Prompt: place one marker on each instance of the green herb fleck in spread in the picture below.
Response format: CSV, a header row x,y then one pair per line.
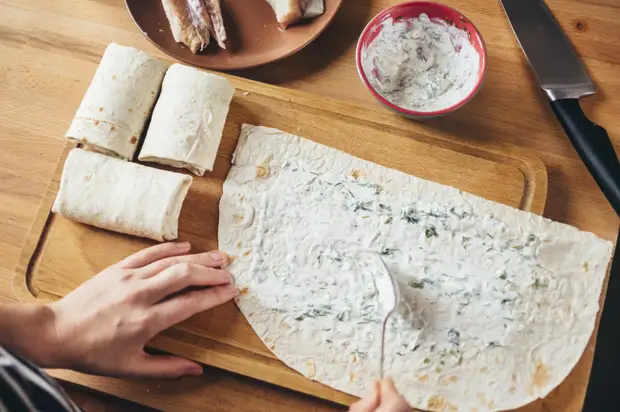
x,y
386,251
416,285
431,232
410,216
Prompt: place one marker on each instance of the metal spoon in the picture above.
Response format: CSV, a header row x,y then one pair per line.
x,y
391,295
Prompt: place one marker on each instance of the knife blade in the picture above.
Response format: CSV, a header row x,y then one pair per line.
x,y
563,77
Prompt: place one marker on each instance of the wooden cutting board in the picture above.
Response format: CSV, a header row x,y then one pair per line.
x,y
59,255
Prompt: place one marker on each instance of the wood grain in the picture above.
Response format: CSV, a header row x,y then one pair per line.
x,y
59,255
48,51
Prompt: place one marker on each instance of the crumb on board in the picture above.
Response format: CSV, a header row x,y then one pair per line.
x,y
243,291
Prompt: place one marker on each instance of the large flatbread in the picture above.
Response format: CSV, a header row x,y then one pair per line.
x,y
118,101
498,304
188,120
121,196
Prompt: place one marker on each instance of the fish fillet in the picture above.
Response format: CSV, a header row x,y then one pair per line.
x,y
217,22
189,22
312,8
287,11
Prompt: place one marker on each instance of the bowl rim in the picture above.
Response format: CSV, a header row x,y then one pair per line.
x,y
360,70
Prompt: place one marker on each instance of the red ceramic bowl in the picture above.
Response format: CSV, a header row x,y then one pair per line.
x,y
413,9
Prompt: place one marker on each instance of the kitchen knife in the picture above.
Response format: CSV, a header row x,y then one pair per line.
x,y
563,77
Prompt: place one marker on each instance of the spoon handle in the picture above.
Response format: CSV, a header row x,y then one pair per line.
x,y
382,353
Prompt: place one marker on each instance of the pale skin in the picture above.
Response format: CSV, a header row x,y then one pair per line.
x,y
103,326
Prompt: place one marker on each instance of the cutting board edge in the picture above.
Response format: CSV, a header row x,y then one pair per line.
x,y
23,289
533,200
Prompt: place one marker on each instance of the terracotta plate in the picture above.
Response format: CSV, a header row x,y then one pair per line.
x,y
254,35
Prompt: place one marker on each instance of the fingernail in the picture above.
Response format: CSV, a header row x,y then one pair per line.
x,y
194,371
183,245
217,256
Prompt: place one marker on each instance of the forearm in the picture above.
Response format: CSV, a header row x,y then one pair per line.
x,y
27,330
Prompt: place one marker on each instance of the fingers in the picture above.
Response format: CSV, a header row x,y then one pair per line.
x,y
214,259
182,276
152,366
388,388
155,253
369,403
181,307
391,400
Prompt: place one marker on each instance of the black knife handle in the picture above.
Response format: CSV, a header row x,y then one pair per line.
x,y
603,394
594,147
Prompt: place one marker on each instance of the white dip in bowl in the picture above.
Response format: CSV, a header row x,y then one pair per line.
x,y
421,64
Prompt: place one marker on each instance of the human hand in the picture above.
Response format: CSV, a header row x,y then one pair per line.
x,y
103,325
384,398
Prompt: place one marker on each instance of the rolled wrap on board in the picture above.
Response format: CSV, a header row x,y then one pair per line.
x,y
117,104
188,120
121,196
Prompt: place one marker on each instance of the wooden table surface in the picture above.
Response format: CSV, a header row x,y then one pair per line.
x,y
44,44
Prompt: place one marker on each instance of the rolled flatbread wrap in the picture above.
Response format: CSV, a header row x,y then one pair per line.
x,y
118,101
121,196
188,119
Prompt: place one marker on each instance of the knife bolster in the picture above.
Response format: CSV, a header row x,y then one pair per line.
x,y
573,91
